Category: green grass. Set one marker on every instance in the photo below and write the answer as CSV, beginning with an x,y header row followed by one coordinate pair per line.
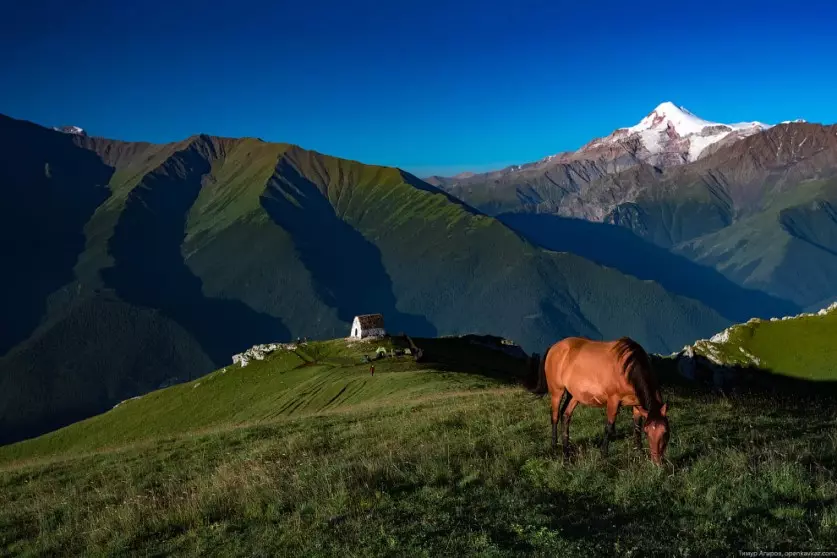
x,y
767,345
464,474
413,462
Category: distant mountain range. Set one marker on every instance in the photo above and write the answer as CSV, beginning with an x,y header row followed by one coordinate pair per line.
x,y
752,201
668,136
132,265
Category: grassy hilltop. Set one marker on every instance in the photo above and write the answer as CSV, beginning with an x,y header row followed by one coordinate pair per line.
x,y
306,453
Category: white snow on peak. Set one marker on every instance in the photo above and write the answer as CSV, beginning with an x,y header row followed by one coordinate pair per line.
x,y
673,129
668,113
69,129
683,121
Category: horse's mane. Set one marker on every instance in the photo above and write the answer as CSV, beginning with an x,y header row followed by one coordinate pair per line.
x,y
637,366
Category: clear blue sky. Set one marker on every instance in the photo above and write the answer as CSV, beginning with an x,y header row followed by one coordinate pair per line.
x,y
430,86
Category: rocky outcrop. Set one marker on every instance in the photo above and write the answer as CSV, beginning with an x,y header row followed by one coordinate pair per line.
x,y
259,352
828,310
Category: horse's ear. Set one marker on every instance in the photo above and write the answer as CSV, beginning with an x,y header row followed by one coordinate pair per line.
x,y
642,411
664,409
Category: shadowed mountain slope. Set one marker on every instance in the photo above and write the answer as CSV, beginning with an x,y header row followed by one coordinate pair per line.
x,y
50,189
618,248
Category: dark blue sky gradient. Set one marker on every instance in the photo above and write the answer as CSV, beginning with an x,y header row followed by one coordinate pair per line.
x,y
430,86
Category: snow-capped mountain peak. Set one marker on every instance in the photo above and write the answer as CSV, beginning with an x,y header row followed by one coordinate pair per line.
x,y
70,130
684,122
668,113
671,135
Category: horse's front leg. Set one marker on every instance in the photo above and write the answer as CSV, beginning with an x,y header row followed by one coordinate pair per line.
x,y
555,412
637,428
613,405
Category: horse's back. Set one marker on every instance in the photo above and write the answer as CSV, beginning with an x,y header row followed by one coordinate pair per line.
x,y
582,344
589,369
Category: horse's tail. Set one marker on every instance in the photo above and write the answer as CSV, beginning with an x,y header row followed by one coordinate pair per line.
x,y
539,383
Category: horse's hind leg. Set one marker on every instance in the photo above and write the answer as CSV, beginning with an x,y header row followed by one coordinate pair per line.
x,y
610,426
565,402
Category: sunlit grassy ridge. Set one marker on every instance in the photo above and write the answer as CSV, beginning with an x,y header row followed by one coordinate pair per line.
x,y
413,461
800,347
232,189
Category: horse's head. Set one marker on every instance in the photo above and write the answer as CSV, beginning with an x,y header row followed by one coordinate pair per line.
x,y
656,428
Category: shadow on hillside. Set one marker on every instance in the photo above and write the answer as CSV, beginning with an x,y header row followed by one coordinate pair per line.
x,y
736,380
483,355
346,268
814,223
150,269
619,248
100,352
49,189
487,355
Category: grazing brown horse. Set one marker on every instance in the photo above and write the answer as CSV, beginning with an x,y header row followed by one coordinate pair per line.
x,y
604,374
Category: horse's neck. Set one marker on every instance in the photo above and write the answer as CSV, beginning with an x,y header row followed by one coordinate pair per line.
x,y
645,383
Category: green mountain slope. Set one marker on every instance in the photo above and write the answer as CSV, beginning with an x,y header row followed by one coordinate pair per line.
x,y
223,243
787,249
